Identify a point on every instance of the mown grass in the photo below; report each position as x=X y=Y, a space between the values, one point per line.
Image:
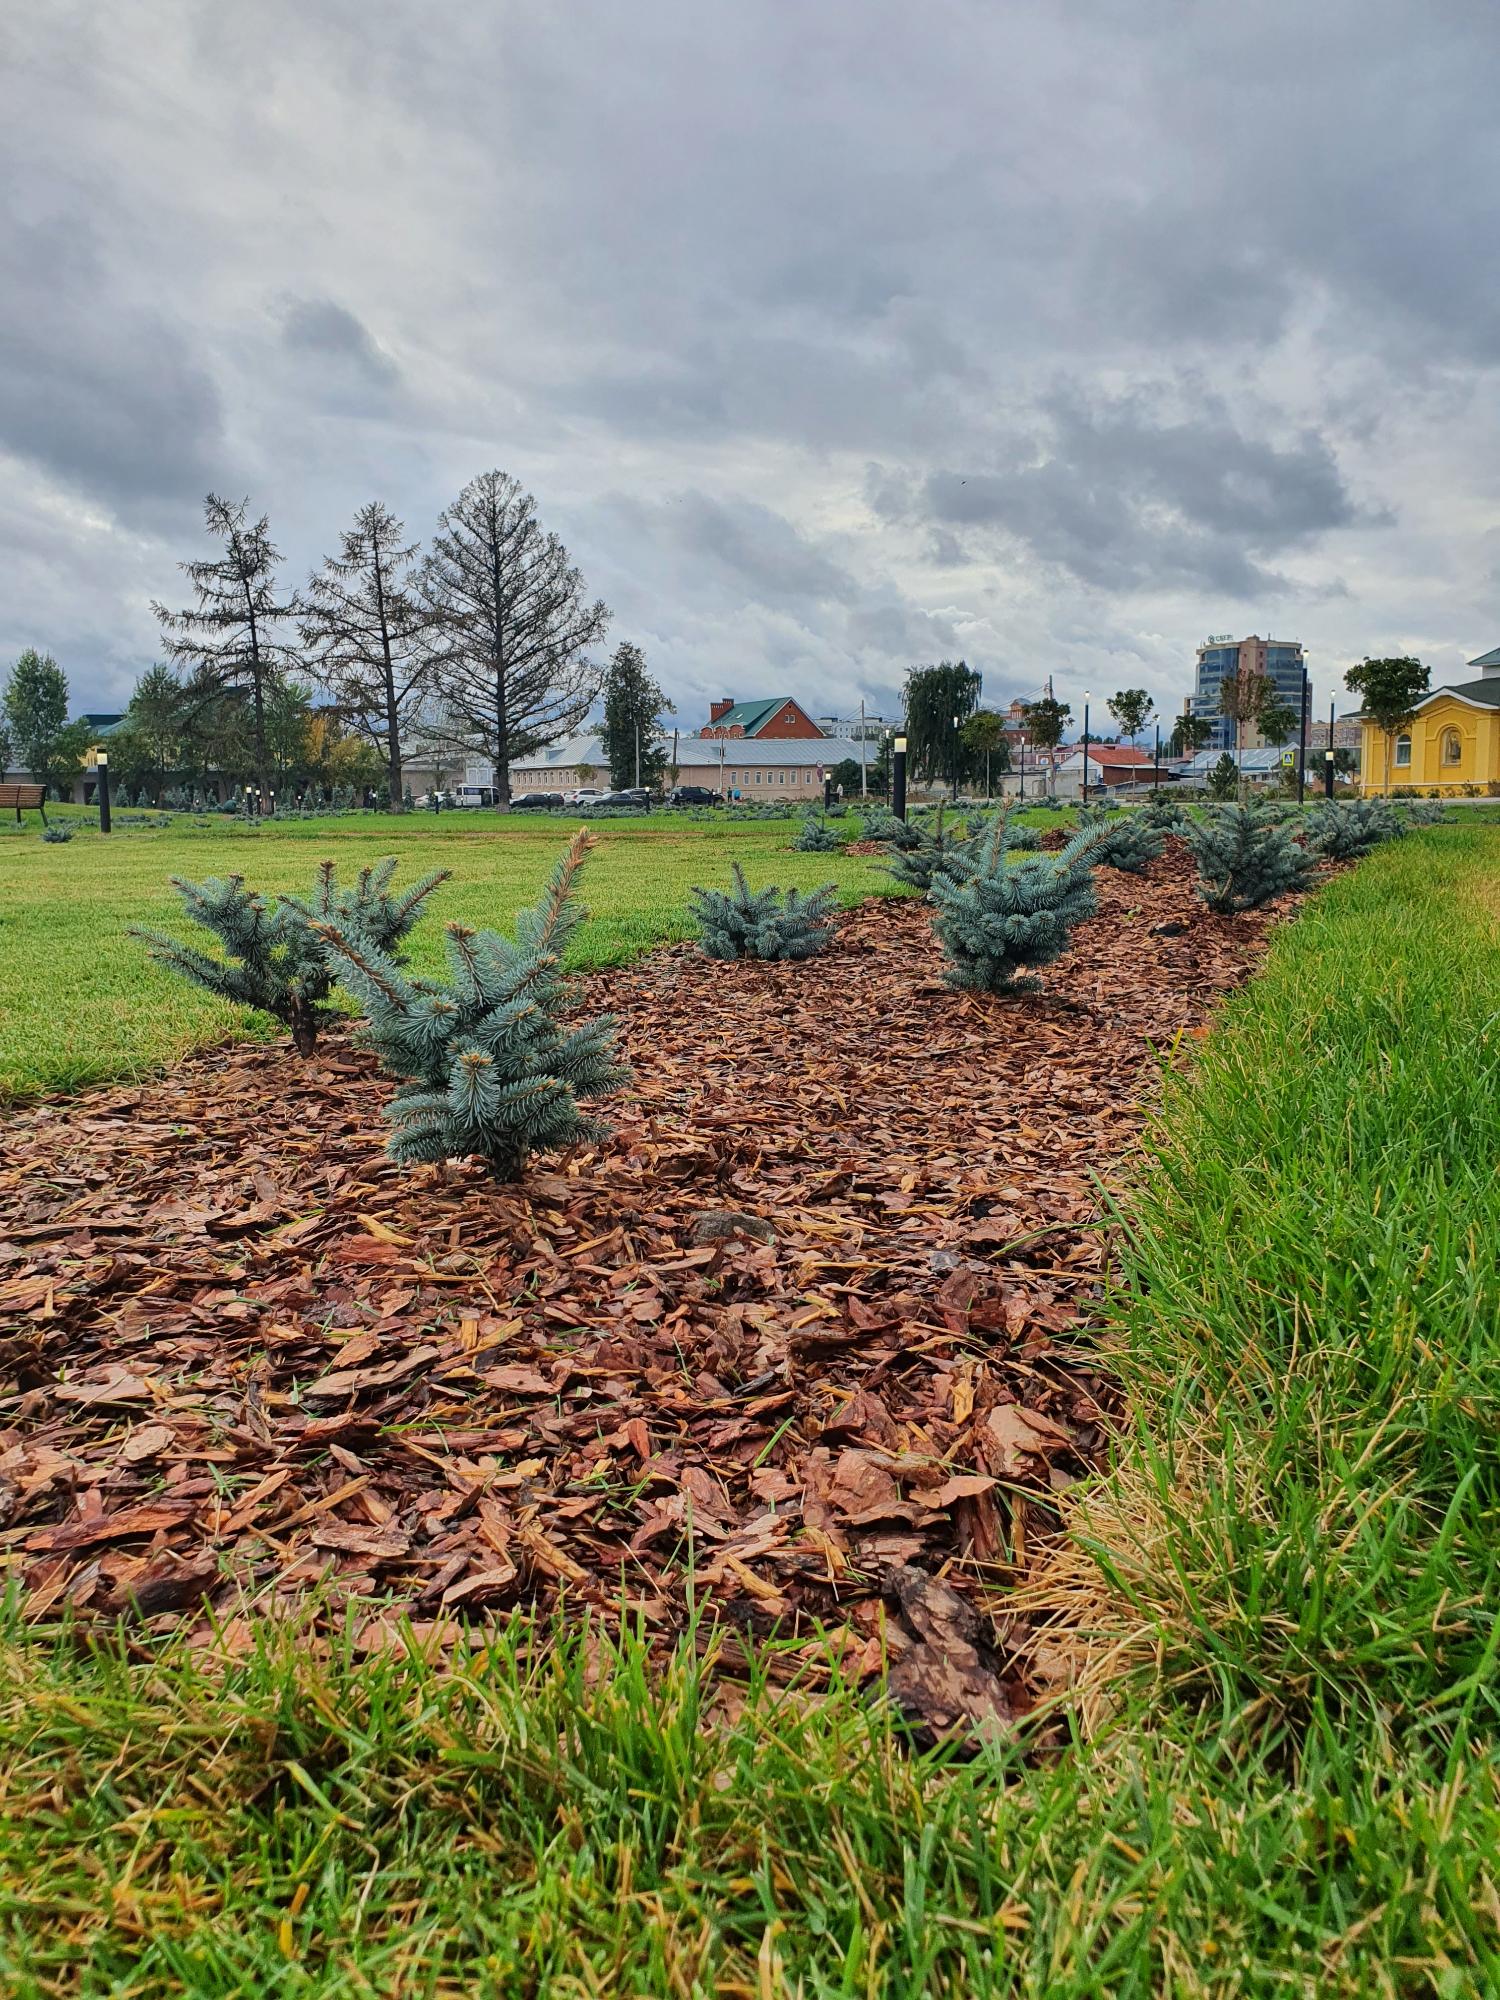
x=1291 y=1569
x=80 y=1002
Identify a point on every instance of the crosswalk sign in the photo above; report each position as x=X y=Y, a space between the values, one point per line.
x=1288 y=760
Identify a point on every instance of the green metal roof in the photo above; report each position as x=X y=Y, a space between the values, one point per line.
x=1487 y=659
x=750 y=715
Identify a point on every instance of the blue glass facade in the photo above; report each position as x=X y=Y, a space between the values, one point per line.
x=1281 y=661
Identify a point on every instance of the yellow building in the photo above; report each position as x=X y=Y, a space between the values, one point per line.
x=1453 y=744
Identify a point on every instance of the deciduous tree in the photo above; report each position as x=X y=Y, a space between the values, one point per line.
x=1132 y=709
x=36 y=709
x=934 y=697
x=362 y=626
x=1391 y=689
x=508 y=629
x=230 y=636
x=1045 y=722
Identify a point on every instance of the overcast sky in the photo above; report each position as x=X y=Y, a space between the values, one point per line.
x=831 y=337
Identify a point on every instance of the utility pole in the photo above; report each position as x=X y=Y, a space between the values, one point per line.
x=864 y=790
x=638 y=753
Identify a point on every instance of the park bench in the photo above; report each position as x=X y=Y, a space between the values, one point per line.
x=28 y=798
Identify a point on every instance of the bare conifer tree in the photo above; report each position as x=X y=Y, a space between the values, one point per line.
x=362 y=626
x=507 y=628
x=229 y=638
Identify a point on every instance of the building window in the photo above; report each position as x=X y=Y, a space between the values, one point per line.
x=781 y=777
x=1453 y=747
x=1403 y=750
x=757 y=777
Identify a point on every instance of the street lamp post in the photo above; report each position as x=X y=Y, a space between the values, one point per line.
x=1085 y=746
x=1156 y=762
x=957 y=723
x=898 y=777
x=101 y=764
x=1328 y=761
x=1302 y=739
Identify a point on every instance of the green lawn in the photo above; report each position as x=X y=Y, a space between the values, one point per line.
x=1296 y=1562
x=80 y=1001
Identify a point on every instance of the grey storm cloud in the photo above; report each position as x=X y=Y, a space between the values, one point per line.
x=829 y=339
x=1123 y=493
x=331 y=333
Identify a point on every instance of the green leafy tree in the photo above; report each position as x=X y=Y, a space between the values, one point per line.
x=65 y=757
x=985 y=742
x=493 y=1066
x=1046 y=722
x=763 y=923
x=274 y=959
x=1277 y=720
x=1132 y=709
x=1190 y=733
x=633 y=709
x=934 y=696
x=1245 y=857
x=997 y=917
x=230 y=635
x=147 y=749
x=845 y=776
x=1390 y=690
x=36 y=712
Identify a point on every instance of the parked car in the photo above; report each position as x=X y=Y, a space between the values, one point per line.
x=584 y=795
x=538 y=802
x=694 y=795
x=636 y=798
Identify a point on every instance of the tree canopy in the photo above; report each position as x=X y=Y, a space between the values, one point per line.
x=633 y=709
x=935 y=696
x=508 y=629
x=1132 y=709
x=36 y=712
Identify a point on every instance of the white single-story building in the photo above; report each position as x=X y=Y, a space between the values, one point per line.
x=749 y=767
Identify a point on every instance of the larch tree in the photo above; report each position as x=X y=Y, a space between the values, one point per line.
x=507 y=628
x=230 y=638
x=633 y=708
x=363 y=629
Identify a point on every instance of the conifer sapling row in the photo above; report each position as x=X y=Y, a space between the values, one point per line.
x=490 y=1070
x=274 y=959
x=996 y=917
x=1245 y=856
x=763 y=923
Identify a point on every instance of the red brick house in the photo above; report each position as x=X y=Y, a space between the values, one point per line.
x=779 y=716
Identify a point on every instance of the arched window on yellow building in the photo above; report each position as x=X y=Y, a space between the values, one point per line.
x=1453 y=747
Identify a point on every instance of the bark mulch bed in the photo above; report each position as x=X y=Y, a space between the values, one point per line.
x=814 y=1327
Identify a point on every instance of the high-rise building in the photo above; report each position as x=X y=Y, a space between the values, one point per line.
x=1222 y=657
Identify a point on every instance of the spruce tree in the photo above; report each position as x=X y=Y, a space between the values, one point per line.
x=490 y=1071
x=816 y=836
x=1425 y=812
x=1126 y=841
x=275 y=959
x=1344 y=829
x=763 y=923
x=1245 y=857
x=1164 y=813
x=1224 y=778
x=924 y=853
x=996 y=917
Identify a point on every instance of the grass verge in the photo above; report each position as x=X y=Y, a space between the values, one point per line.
x=1293 y=1569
